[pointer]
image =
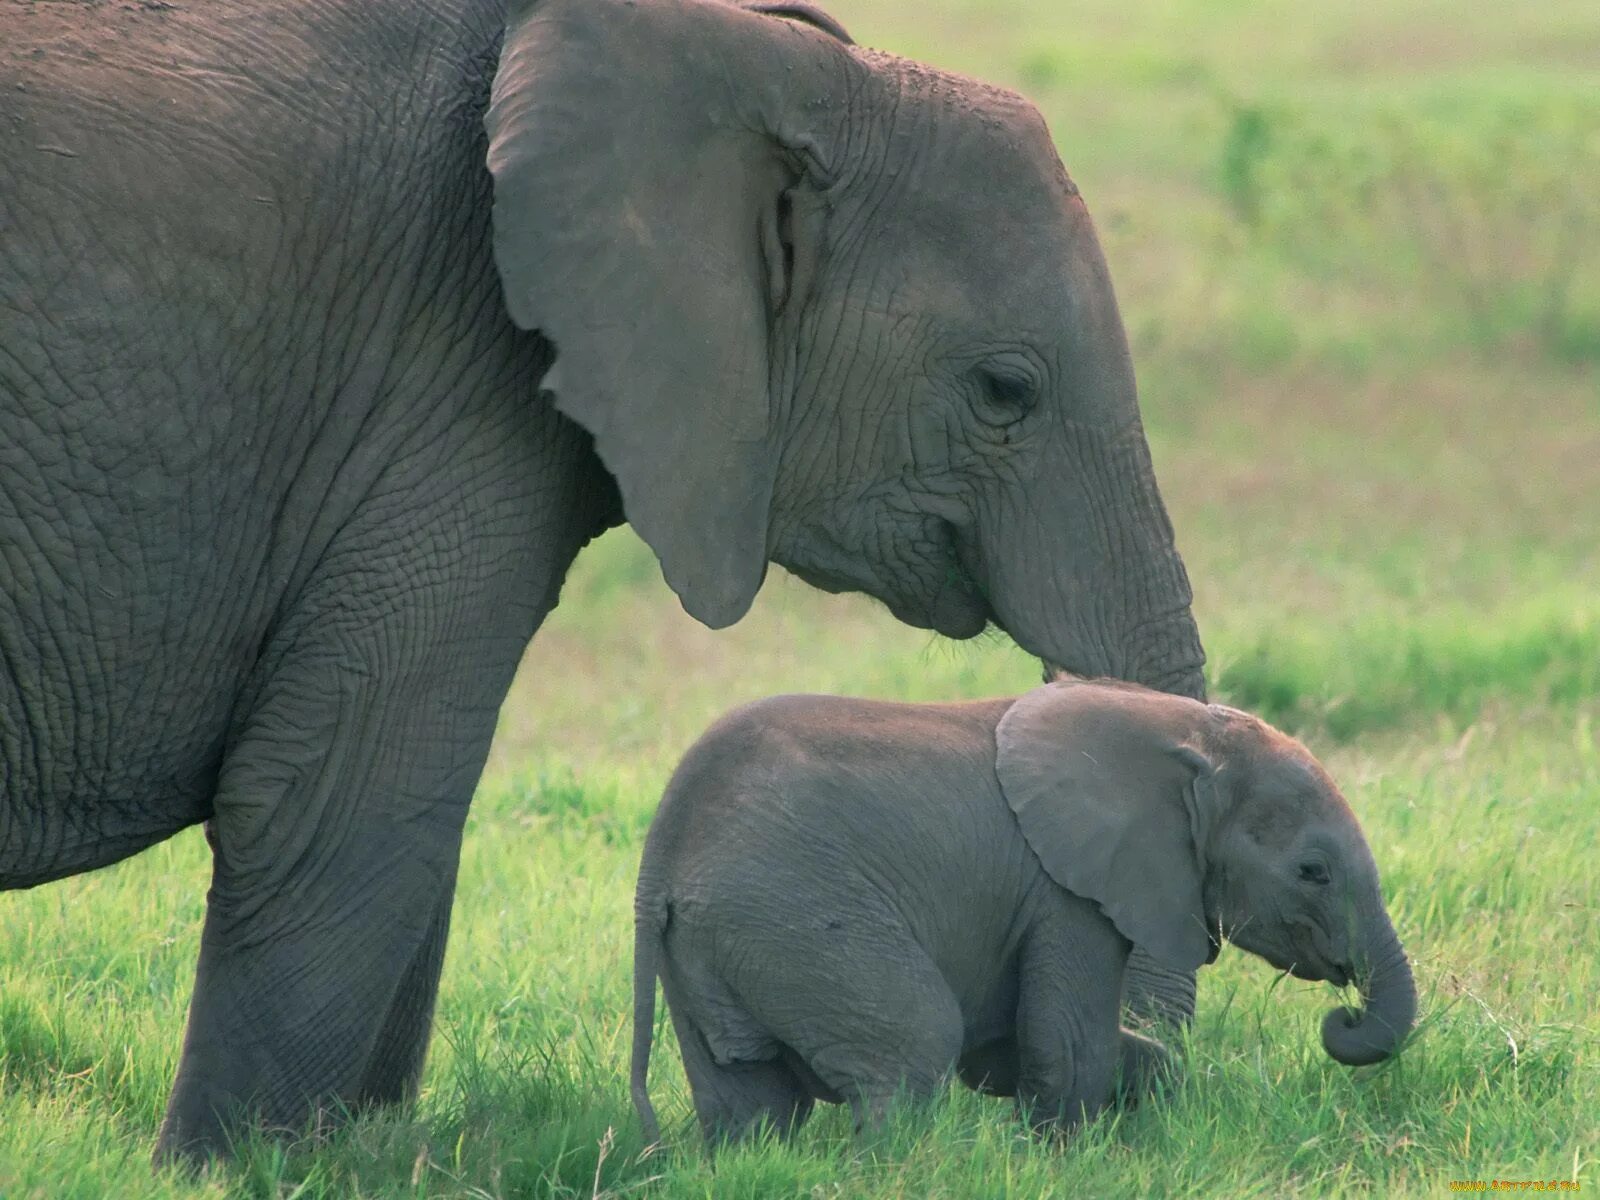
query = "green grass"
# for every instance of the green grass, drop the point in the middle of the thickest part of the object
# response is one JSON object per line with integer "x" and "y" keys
{"x": 1448, "y": 663}
{"x": 1367, "y": 343}
{"x": 525, "y": 1094}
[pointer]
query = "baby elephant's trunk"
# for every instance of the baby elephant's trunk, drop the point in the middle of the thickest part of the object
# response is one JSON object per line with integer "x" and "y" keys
{"x": 1388, "y": 1004}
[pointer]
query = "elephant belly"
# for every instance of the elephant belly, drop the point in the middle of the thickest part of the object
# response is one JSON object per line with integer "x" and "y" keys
{"x": 103, "y": 750}
{"x": 125, "y": 630}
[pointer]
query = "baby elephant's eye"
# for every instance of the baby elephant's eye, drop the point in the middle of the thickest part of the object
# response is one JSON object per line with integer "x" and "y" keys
{"x": 1009, "y": 393}
{"x": 1313, "y": 872}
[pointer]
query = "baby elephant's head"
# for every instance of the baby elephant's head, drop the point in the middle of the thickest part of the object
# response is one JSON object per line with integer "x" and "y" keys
{"x": 1188, "y": 823}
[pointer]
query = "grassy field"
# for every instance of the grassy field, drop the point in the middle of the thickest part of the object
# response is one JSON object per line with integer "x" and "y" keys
{"x": 1358, "y": 248}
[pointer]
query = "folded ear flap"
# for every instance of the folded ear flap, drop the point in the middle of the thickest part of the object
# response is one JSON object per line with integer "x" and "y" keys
{"x": 1102, "y": 778}
{"x": 800, "y": 10}
{"x": 640, "y": 152}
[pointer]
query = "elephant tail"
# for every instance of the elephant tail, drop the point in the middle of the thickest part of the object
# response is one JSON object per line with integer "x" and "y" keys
{"x": 649, "y": 924}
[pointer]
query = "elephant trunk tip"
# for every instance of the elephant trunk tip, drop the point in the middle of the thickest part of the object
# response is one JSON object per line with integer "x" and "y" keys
{"x": 1358, "y": 1039}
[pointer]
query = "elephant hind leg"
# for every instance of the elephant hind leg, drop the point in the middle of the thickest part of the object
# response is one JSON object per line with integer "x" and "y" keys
{"x": 880, "y": 1024}
{"x": 926, "y": 1045}
{"x": 733, "y": 1099}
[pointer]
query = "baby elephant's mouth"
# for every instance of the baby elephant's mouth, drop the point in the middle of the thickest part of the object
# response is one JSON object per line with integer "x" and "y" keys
{"x": 1311, "y": 956}
{"x": 1339, "y": 975}
{"x": 1303, "y": 962}
{"x": 1318, "y": 971}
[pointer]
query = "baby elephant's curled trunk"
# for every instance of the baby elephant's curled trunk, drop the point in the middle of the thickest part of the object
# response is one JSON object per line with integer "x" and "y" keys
{"x": 1388, "y": 1005}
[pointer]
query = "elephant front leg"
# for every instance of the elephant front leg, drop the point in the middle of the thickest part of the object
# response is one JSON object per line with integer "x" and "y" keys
{"x": 336, "y": 833}
{"x": 1069, "y": 1041}
{"x": 394, "y": 1067}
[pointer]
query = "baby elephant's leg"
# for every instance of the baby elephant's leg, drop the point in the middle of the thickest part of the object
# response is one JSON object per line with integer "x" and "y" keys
{"x": 895, "y": 1056}
{"x": 863, "y": 1007}
{"x": 1069, "y": 1039}
{"x": 733, "y": 1099}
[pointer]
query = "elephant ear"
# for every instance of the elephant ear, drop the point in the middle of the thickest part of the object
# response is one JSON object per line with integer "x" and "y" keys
{"x": 1113, "y": 792}
{"x": 799, "y": 10}
{"x": 641, "y": 153}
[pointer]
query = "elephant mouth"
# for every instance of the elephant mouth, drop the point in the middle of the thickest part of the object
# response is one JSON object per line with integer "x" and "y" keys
{"x": 958, "y": 611}
{"x": 1334, "y": 973}
{"x": 952, "y": 613}
{"x": 1309, "y": 956}
{"x": 954, "y": 609}
{"x": 959, "y": 607}
{"x": 1303, "y": 963}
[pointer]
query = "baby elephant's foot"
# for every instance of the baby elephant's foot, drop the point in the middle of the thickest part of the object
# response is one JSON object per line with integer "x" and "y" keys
{"x": 1145, "y": 1069}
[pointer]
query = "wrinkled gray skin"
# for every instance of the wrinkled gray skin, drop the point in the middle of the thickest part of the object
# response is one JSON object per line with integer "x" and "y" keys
{"x": 287, "y": 479}
{"x": 844, "y": 899}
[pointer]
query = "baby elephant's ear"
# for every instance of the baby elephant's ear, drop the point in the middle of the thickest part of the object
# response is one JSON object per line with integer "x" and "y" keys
{"x": 1103, "y": 780}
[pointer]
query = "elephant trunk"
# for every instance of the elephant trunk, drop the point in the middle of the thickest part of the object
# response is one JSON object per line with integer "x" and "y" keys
{"x": 1388, "y": 1005}
{"x": 1165, "y": 656}
{"x": 1079, "y": 563}
{"x": 1170, "y": 658}
{"x": 1161, "y": 639}
{"x": 1135, "y": 622}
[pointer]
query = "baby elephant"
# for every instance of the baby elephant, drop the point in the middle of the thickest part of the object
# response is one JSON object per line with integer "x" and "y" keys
{"x": 845, "y": 898}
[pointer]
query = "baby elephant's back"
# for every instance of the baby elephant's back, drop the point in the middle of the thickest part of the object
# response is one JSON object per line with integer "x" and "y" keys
{"x": 799, "y": 792}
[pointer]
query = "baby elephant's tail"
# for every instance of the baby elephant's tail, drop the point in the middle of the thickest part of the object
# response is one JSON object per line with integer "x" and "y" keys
{"x": 649, "y": 924}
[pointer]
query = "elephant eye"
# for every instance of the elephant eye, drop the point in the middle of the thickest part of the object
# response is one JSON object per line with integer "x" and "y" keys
{"x": 1010, "y": 396}
{"x": 1313, "y": 872}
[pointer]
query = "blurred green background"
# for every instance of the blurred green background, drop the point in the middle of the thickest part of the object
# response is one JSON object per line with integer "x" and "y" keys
{"x": 1358, "y": 251}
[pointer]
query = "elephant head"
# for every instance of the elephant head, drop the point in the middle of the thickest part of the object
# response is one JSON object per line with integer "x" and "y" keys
{"x": 828, "y": 308}
{"x": 1187, "y": 823}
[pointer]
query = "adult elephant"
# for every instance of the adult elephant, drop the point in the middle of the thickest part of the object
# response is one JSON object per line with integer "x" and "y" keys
{"x": 298, "y": 442}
